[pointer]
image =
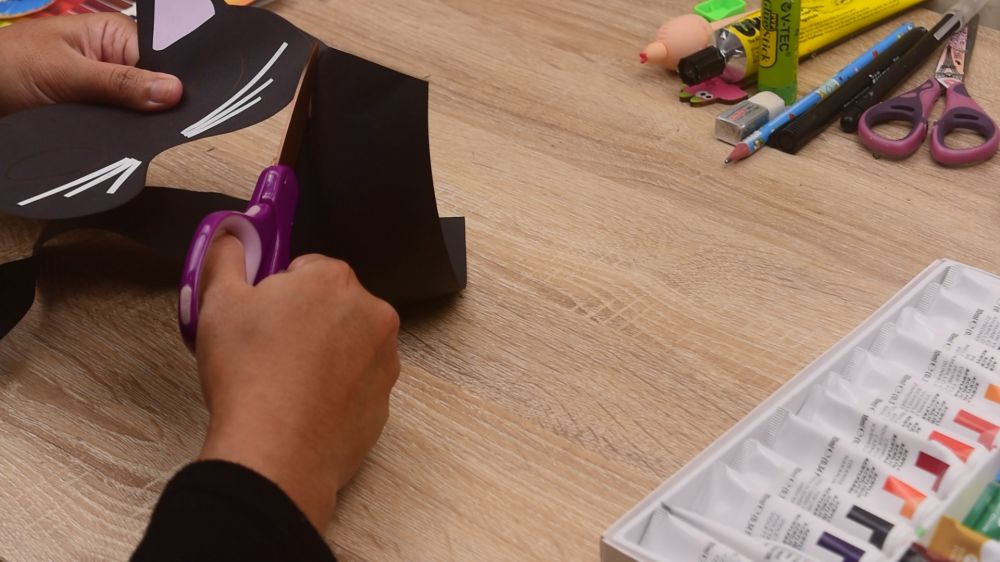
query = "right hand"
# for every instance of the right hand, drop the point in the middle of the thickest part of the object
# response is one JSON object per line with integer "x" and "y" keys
{"x": 296, "y": 372}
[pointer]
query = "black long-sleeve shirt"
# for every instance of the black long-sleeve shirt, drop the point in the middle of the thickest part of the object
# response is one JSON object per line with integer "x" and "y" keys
{"x": 220, "y": 511}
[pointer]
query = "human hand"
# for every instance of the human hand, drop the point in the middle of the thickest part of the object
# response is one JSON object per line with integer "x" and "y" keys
{"x": 87, "y": 58}
{"x": 296, "y": 372}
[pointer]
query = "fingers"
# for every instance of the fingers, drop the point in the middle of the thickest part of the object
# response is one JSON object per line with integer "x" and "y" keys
{"x": 306, "y": 260}
{"x": 114, "y": 38}
{"x": 225, "y": 265}
{"x": 122, "y": 85}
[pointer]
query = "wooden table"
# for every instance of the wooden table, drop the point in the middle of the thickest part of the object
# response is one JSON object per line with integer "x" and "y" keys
{"x": 629, "y": 297}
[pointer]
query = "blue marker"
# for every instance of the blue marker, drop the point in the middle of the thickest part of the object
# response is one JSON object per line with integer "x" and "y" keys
{"x": 754, "y": 142}
{"x": 10, "y": 9}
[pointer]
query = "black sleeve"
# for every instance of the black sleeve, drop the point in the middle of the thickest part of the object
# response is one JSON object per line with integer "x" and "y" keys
{"x": 219, "y": 511}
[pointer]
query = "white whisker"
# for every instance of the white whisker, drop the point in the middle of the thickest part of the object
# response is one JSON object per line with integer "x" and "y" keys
{"x": 99, "y": 175}
{"x": 125, "y": 175}
{"x": 194, "y": 131}
{"x": 229, "y": 115}
{"x": 239, "y": 95}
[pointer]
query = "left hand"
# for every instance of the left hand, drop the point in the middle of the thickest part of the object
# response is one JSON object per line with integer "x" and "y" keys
{"x": 86, "y": 58}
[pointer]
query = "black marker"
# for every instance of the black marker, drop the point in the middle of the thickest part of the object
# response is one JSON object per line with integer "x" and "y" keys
{"x": 952, "y": 21}
{"x": 800, "y": 131}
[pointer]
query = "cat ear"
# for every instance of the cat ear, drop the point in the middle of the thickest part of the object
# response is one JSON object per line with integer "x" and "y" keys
{"x": 164, "y": 22}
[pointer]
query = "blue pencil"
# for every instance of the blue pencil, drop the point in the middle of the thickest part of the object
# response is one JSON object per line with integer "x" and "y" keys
{"x": 757, "y": 140}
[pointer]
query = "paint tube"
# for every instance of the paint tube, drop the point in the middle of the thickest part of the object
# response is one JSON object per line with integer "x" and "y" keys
{"x": 758, "y": 550}
{"x": 962, "y": 314}
{"x": 919, "y": 553}
{"x": 758, "y": 514}
{"x": 984, "y": 516}
{"x": 958, "y": 542}
{"x": 673, "y": 539}
{"x": 735, "y": 55}
{"x": 969, "y": 452}
{"x": 770, "y": 472}
{"x": 920, "y": 468}
{"x": 877, "y": 437}
{"x": 942, "y": 370}
{"x": 833, "y": 458}
{"x": 963, "y": 415}
{"x": 972, "y": 285}
{"x": 955, "y": 334}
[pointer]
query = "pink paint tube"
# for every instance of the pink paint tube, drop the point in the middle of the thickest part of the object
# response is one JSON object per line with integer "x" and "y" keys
{"x": 843, "y": 402}
{"x": 730, "y": 501}
{"x": 832, "y": 457}
{"x": 939, "y": 369}
{"x": 768, "y": 471}
{"x": 877, "y": 437}
{"x": 956, "y": 407}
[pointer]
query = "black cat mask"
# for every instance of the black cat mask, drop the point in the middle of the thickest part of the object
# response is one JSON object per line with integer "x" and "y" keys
{"x": 72, "y": 160}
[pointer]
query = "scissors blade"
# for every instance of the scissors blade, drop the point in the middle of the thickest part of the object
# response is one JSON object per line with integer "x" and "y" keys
{"x": 301, "y": 107}
{"x": 951, "y": 67}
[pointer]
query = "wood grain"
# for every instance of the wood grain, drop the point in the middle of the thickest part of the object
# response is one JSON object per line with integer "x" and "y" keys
{"x": 630, "y": 298}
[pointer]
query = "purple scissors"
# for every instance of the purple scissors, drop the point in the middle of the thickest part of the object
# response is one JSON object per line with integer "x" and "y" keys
{"x": 914, "y": 107}
{"x": 264, "y": 229}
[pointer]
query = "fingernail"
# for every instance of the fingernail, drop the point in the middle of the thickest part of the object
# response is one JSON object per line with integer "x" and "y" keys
{"x": 161, "y": 91}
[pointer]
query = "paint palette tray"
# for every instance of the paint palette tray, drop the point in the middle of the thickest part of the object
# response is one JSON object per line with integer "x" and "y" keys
{"x": 629, "y": 539}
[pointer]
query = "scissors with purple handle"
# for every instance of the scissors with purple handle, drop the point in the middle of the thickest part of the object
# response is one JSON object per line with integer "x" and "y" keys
{"x": 264, "y": 229}
{"x": 914, "y": 107}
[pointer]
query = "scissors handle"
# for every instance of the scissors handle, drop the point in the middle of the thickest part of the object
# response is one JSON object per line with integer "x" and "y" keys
{"x": 913, "y": 108}
{"x": 962, "y": 112}
{"x": 264, "y": 230}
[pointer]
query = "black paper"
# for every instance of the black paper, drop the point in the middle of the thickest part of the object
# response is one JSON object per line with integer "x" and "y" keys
{"x": 367, "y": 189}
{"x": 367, "y": 192}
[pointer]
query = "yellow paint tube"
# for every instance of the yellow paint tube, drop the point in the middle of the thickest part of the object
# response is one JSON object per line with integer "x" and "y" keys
{"x": 955, "y": 541}
{"x": 737, "y": 46}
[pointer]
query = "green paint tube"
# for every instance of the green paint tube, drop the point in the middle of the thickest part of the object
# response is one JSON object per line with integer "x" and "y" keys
{"x": 779, "y": 48}
{"x": 985, "y": 514}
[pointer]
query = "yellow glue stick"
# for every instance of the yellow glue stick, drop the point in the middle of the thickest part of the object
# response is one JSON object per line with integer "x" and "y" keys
{"x": 778, "y": 57}
{"x": 735, "y": 55}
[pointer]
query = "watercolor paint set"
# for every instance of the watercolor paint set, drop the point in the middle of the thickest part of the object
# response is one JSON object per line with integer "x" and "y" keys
{"x": 873, "y": 452}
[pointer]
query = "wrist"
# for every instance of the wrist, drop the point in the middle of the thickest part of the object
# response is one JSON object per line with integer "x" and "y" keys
{"x": 281, "y": 453}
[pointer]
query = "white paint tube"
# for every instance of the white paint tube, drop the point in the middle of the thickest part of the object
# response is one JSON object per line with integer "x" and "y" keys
{"x": 942, "y": 370}
{"x": 973, "y": 286}
{"x": 758, "y": 550}
{"x": 882, "y": 439}
{"x": 670, "y": 539}
{"x": 724, "y": 498}
{"x": 962, "y": 415}
{"x": 833, "y": 458}
{"x": 770, "y": 472}
{"x": 956, "y": 315}
{"x": 961, "y": 316}
{"x": 953, "y": 336}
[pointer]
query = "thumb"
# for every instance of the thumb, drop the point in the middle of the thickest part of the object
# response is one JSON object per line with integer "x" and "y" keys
{"x": 225, "y": 266}
{"x": 126, "y": 86}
